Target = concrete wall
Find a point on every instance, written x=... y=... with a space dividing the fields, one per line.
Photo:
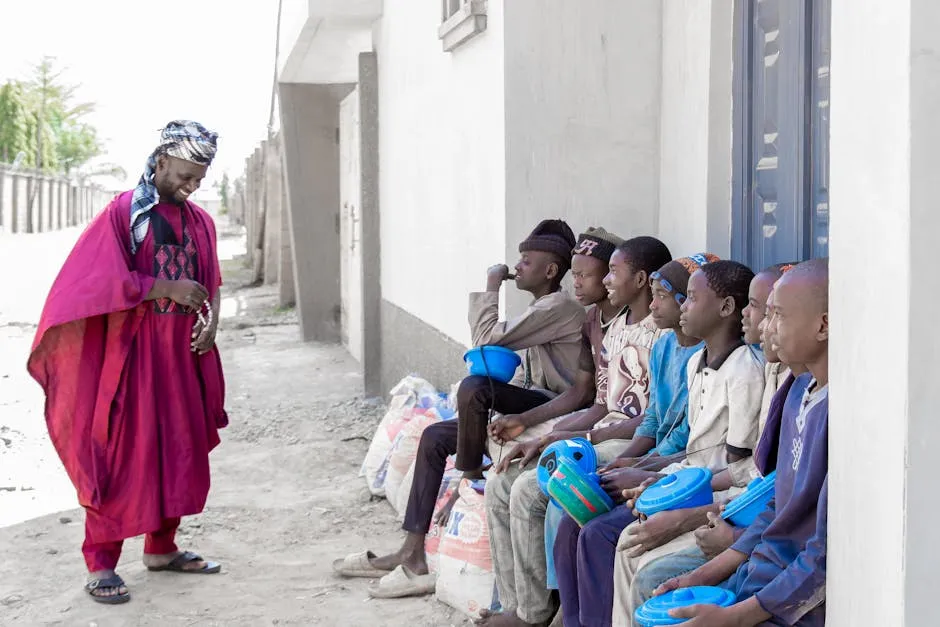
x=582 y=116
x=882 y=561
x=442 y=164
x=56 y=202
x=310 y=119
x=272 y=209
x=696 y=126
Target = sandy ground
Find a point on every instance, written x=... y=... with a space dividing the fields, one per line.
x=286 y=499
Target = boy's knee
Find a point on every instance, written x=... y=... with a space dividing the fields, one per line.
x=473 y=390
x=526 y=496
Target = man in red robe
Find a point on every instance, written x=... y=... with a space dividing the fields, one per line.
x=125 y=352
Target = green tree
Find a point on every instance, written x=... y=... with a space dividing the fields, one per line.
x=41 y=118
x=14 y=121
x=224 y=189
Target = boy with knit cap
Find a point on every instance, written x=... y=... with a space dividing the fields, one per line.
x=549 y=332
x=515 y=505
x=622 y=394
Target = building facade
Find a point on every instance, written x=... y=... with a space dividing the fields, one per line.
x=422 y=140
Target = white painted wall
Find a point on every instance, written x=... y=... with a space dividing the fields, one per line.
x=882 y=517
x=442 y=168
x=582 y=116
x=695 y=157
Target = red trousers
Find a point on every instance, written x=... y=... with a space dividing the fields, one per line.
x=105 y=555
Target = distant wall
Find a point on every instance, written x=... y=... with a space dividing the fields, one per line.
x=32 y=202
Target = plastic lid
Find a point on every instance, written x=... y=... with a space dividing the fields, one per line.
x=757 y=490
x=656 y=611
x=578 y=450
x=673 y=490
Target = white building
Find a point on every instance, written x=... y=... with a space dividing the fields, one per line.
x=424 y=138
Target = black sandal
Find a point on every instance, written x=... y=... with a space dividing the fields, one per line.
x=186 y=557
x=113 y=582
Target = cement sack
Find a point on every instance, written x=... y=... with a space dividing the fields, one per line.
x=432 y=541
x=401 y=460
x=465 y=579
x=410 y=392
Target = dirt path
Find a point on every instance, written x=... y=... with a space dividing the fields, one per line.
x=285 y=501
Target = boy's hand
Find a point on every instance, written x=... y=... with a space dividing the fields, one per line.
x=616 y=482
x=654 y=532
x=715 y=537
x=631 y=495
x=506 y=428
x=705 y=616
x=620 y=462
x=495 y=277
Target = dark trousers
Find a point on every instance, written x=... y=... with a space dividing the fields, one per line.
x=584 y=567
x=466 y=435
x=474 y=400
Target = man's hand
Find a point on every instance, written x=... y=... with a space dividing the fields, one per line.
x=204 y=335
x=715 y=537
x=189 y=294
x=495 y=277
x=652 y=533
x=506 y=428
x=617 y=481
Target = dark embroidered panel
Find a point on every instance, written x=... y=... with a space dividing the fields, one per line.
x=173 y=262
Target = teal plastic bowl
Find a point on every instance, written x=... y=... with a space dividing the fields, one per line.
x=495 y=362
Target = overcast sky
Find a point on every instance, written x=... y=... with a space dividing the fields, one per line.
x=146 y=63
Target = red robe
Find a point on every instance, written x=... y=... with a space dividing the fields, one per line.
x=131 y=411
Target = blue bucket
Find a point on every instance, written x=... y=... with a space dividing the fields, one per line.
x=744 y=510
x=655 y=612
x=578 y=450
x=495 y=362
x=690 y=487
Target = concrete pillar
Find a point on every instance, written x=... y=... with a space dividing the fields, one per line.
x=15 y=214
x=256 y=243
x=310 y=123
x=882 y=518
x=4 y=205
x=287 y=294
x=272 y=209
x=30 y=204
x=371 y=235
x=60 y=203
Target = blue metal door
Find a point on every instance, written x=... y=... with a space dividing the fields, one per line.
x=780 y=196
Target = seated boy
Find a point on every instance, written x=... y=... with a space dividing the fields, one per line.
x=515 y=504
x=725 y=382
x=644 y=562
x=549 y=331
x=777 y=568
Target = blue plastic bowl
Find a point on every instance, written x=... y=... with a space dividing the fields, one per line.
x=690 y=487
x=495 y=362
x=655 y=612
x=744 y=510
x=578 y=450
